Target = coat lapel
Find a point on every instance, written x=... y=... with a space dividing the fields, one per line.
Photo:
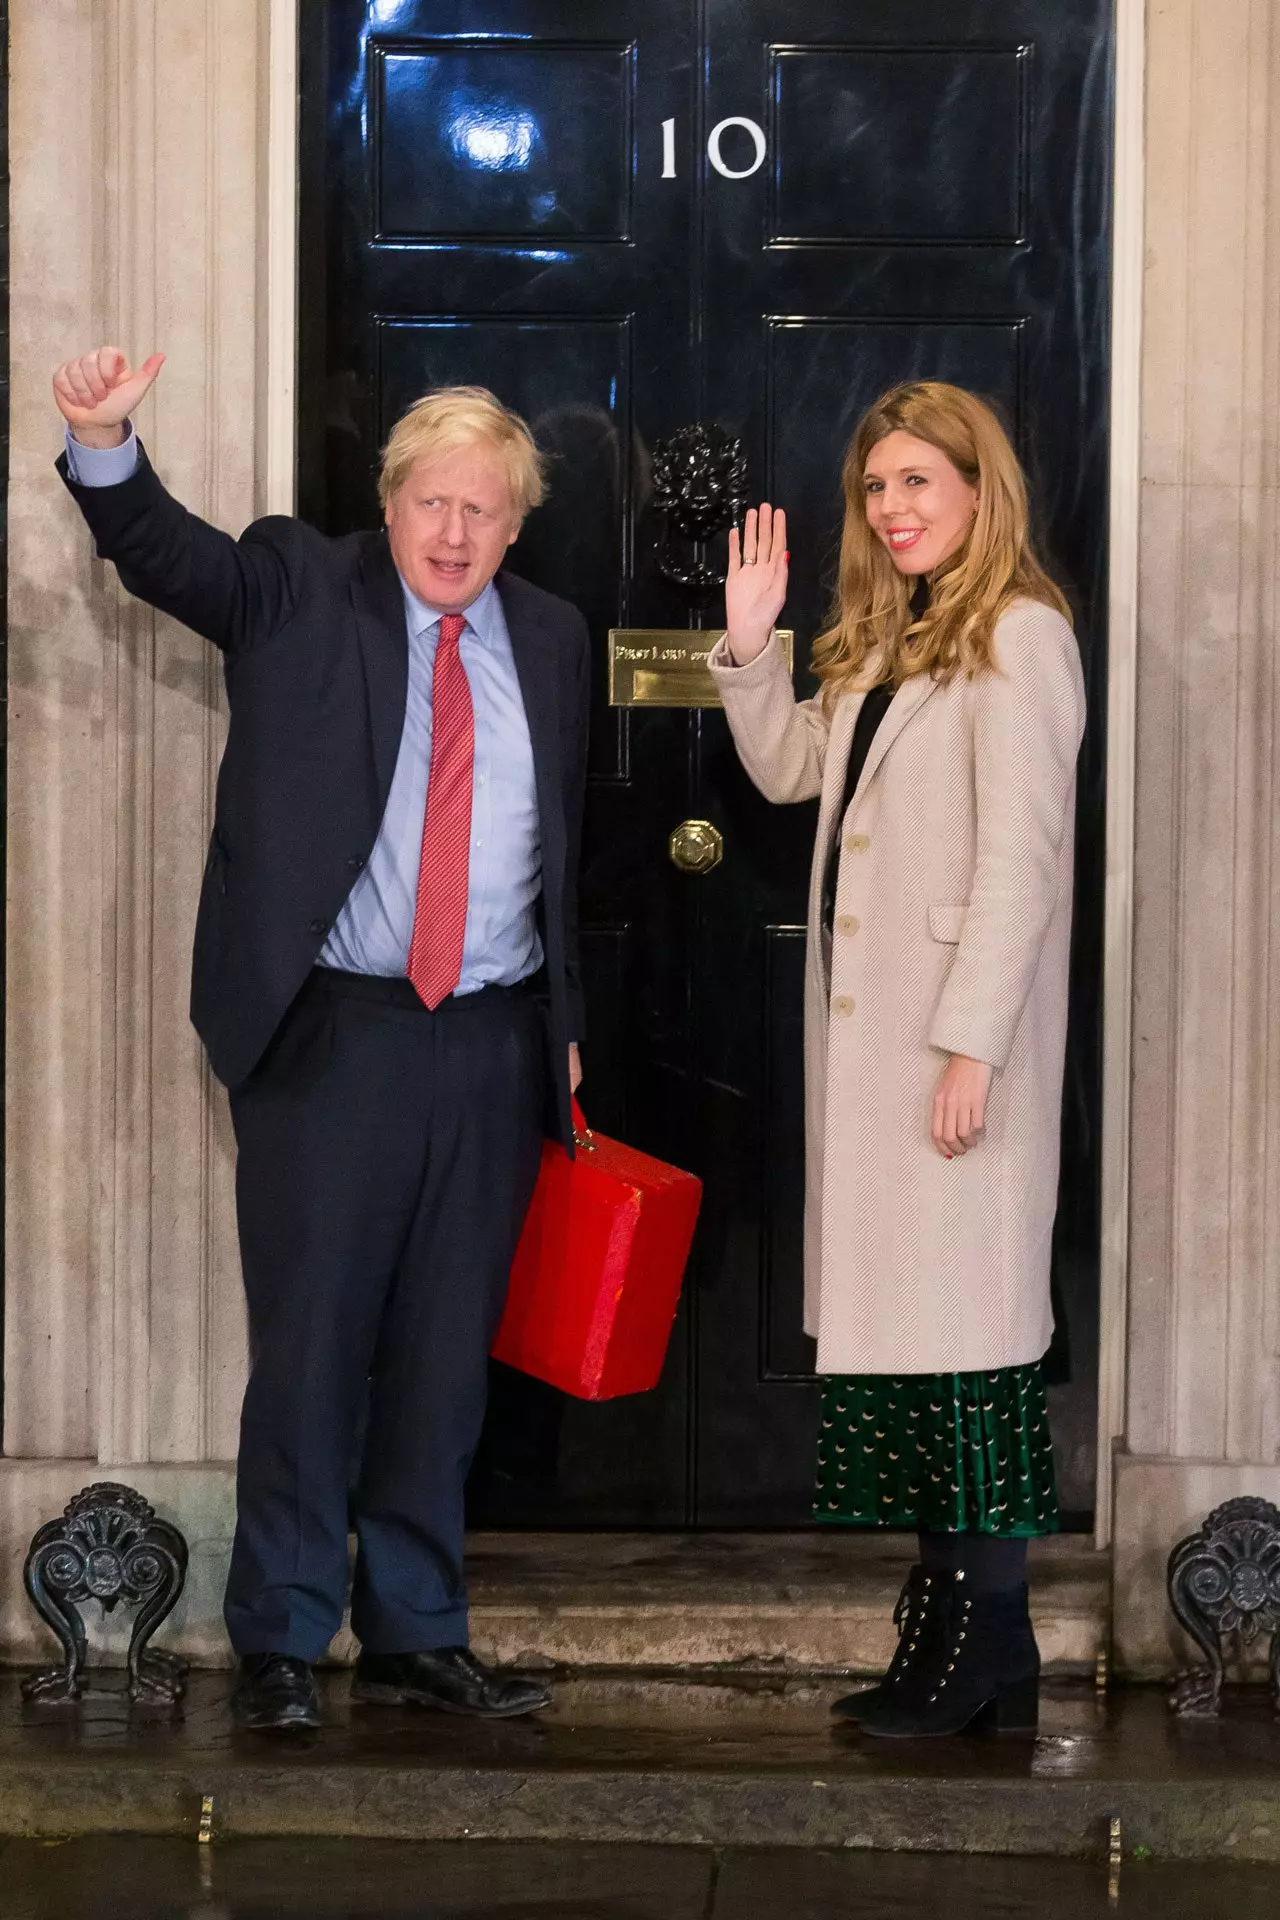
x=535 y=654
x=378 y=599
x=904 y=706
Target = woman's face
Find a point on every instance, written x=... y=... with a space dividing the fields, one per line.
x=918 y=503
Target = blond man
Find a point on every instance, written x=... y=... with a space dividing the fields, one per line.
x=385 y=977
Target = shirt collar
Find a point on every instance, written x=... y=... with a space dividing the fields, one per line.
x=480 y=616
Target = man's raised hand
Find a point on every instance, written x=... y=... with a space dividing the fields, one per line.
x=97 y=393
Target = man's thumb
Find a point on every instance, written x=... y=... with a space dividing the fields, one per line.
x=151 y=367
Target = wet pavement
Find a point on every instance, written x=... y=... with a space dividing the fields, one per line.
x=131 y=1879
x=714 y=1759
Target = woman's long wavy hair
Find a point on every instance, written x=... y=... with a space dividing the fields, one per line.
x=872 y=634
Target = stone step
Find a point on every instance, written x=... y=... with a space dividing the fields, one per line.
x=805 y=1601
x=816 y=1601
x=737 y=1760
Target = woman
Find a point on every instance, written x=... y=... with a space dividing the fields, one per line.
x=943 y=745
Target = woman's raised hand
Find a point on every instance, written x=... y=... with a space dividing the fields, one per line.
x=756 y=588
x=97 y=392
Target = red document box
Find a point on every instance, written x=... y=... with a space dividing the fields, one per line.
x=596 y=1277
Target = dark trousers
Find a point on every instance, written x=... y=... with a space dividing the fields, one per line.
x=386 y=1160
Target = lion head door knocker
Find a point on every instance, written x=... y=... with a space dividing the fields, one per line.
x=700 y=489
x=109 y=1547
x=1224 y=1583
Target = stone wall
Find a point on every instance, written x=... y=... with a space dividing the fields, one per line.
x=1203 y=1398
x=136 y=219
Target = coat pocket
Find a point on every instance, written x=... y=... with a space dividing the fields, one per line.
x=946 y=919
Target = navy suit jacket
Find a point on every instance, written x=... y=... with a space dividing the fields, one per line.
x=316 y=656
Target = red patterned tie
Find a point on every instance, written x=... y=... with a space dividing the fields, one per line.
x=440 y=916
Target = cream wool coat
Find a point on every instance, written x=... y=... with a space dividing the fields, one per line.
x=952 y=929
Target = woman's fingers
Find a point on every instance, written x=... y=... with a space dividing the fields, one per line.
x=959 y=1114
x=735 y=551
x=939 y=1127
x=764 y=537
x=952 y=1128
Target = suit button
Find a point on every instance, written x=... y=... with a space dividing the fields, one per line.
x=842 y=1005
x=857 y=843
x=356 y=862
x=319 y=926
x=847 y=923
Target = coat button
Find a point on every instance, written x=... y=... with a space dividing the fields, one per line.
x=842 y=1005
x=356 y=862
x=857 y=843
x=319 y=926
x=847 y=923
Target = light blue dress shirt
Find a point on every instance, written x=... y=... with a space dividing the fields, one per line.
x=374 y=928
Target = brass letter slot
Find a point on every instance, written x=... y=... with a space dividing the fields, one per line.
x=667 y=666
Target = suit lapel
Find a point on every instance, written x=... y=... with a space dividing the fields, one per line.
x=378 y=599
x=537 y=664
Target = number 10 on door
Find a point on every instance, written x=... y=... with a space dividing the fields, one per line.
x=714 y=154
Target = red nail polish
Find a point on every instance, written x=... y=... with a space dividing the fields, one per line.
x=787 y=556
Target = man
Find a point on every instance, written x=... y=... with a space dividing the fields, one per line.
x=385 y=962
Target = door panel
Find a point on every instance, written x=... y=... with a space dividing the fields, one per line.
x=480 y=141
x=905 y=144
x=913 y=219
x=625 y=218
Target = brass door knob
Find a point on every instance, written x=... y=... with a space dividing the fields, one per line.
x=695 y=846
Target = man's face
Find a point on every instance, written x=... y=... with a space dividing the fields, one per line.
x=450 y=522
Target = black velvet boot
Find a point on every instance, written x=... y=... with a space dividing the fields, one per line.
x=921 y=1617
x=984 y=1671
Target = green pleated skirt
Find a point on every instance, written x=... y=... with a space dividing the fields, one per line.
x=950 y=1452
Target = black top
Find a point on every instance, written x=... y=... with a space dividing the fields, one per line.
x=874 y=707
x=876 y=703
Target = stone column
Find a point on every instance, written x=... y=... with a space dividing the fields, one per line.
x=153 y=206
x=1203 y=1401
x=139 y=137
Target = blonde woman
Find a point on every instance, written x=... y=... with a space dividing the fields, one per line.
x=943 y=745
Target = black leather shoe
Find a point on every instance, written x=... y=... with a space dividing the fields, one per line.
x=276 y=1693
x=450 y=1678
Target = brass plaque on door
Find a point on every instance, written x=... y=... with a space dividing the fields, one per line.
x=667 y=666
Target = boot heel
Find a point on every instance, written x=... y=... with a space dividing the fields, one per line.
x=1016 y=1708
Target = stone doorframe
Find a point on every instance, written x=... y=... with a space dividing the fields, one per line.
x=278 y=426
x=1122 y=669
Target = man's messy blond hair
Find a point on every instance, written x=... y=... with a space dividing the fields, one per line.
x=454 y=417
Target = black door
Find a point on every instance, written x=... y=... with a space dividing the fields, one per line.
x=624 y=218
